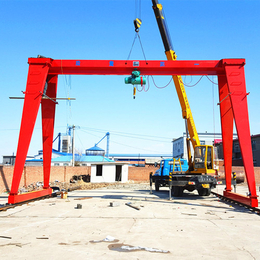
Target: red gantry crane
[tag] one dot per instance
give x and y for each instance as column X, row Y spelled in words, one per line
column 43, row 79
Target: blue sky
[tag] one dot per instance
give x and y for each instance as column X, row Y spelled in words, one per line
column 200, row 30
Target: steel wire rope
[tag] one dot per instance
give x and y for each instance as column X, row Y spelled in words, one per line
column 131, row 47
column 142, row 47
column 136, row 9
column 137, row 33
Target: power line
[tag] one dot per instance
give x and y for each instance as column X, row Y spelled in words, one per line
column 132, row 135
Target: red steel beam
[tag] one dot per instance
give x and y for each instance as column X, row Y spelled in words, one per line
column 35, row 84
column 238, row 97
column 13, row 199
column 227, row 122
column 48, row 116
column 233, row 106
column 119, row 67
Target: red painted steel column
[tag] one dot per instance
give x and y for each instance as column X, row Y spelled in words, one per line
column 48, row 117
column 227, row 122
column 35, row 84
column 237, row 88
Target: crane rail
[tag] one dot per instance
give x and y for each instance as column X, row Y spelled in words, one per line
column 54, row 194
column 253, row 209
column 9, row 206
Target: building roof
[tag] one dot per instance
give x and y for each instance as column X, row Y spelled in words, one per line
column 137, row 155
column 95, row 148
column 83, row 158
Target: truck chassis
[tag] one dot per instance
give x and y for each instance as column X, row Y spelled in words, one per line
column 180, row 181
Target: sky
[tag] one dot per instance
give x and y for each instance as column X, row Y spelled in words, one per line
column 104, row 30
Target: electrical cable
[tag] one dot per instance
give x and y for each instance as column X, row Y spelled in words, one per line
column 190, row 86
column 135, row 147
column 187, row 85
column 211, row 80
column 79, row 139
column 185, row 79
column 158, row 86
column 143, row 88
column 125, row 144
column 104, row 131
column 135, row 137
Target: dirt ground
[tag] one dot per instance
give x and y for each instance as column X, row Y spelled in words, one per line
column 81, row 185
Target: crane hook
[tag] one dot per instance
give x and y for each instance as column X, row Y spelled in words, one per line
column 137, row 24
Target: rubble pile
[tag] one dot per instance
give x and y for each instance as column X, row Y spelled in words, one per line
column 80, row 184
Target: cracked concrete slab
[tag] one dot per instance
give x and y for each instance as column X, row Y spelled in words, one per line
column 191, row 227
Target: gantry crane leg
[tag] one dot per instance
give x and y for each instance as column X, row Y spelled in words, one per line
column 227, row 122
column 33, row 95
column 48, row 116
column 234, row 90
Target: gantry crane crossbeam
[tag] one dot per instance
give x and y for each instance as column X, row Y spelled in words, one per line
column 233, row 107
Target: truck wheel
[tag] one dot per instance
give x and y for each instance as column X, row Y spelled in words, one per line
column 157, row 185
column 177, row 191
column 208, row 191
column 204, row 191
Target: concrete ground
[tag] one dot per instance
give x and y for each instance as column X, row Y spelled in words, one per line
column 190, row 227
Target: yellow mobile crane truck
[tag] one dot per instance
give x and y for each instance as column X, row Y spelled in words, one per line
column 202, row 166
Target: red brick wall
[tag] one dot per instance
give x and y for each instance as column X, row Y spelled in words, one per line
column 33, row 174
column 140, row 173
column 241, row 173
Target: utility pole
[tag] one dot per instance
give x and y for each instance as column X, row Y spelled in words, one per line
column 73, row 146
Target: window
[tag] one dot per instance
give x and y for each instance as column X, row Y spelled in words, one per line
column 236, row 148
column 209, row 158
column 199, row 156
column 99, row 170
column 253, row 145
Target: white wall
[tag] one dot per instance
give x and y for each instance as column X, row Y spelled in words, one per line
column 178, row 148
column 124, row 173
column 108, row 173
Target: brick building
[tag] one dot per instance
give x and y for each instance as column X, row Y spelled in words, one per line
column 237, row 157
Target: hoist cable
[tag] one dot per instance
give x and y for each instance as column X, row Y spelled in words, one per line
column 132, row 47
column 138, row 8
column 141, row 47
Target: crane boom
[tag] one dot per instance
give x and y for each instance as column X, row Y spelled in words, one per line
column 171, row 55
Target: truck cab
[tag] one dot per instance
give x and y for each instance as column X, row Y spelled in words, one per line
column 171, row 165
column 180, row 180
